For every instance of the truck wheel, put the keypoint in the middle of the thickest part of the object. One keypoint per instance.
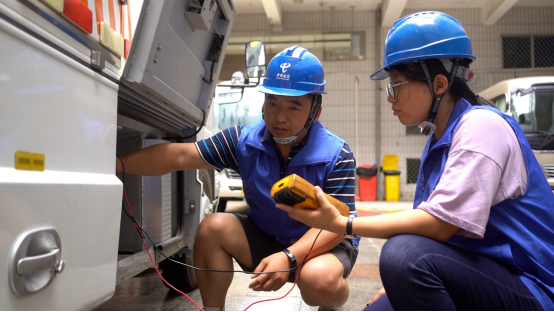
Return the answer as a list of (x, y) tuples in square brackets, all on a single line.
[(180, 276)]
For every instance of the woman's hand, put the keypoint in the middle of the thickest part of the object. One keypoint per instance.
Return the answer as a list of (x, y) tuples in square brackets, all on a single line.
[(326, 217), (378, 294)]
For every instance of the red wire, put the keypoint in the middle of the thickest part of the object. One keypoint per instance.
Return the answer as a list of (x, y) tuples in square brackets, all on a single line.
[(189, 298), (297, 274), (182, 293), (150, 256)]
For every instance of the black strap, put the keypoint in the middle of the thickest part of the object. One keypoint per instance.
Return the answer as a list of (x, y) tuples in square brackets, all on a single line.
[(316, 104), (437, 99), (349, 232), (292, 258)]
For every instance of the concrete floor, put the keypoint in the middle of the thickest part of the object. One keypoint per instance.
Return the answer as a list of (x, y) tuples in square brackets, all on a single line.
[(149, 293)]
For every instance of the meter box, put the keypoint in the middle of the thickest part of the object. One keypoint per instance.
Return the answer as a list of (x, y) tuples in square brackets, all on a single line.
[(176, 58)]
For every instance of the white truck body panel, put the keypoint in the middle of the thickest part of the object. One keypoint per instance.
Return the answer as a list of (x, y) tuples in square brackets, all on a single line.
[(51, 105), (56, 103)]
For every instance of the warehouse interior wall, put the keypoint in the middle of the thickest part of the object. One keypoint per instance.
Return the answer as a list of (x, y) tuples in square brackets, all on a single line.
[(350, 103)]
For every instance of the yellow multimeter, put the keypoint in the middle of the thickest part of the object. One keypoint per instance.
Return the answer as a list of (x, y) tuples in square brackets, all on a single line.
[(297, 192)]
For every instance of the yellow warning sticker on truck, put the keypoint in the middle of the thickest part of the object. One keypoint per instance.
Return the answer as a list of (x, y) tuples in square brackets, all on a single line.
[(29, 161)]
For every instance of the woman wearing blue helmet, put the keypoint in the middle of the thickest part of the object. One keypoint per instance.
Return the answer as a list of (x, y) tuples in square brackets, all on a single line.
[(481, 236)]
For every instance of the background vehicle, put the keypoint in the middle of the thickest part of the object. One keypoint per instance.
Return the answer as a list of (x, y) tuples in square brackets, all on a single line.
[(71, 102), (531, 102), (234, 106)]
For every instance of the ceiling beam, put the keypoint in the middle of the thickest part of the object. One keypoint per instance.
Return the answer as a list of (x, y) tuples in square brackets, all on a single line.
[(391, 11), (274, 14), (493, 10)]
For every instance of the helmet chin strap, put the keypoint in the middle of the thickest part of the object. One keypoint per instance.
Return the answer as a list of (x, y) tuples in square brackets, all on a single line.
[(428, 127), (316, 104)]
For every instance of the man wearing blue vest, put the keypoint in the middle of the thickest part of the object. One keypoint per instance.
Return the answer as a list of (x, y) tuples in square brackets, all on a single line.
[(288, 140)]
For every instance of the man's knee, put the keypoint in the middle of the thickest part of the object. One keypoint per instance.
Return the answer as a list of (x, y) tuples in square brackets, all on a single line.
[(319, 285), (212, 227), (316, 278)]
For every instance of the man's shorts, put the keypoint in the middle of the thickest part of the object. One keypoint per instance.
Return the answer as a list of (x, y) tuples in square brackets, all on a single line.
[(263, 245)]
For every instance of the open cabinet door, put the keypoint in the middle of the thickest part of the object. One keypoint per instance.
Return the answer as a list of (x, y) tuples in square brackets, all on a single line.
[(175, 61)]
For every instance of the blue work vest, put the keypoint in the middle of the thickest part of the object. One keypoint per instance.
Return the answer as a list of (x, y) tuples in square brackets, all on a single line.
[(520, 231), (259, 167)]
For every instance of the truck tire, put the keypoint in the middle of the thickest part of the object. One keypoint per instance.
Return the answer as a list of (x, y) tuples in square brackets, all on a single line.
[(180, 276)]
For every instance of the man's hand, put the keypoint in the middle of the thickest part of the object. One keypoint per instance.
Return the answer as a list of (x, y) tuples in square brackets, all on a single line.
[(274, 281), (326, 217)]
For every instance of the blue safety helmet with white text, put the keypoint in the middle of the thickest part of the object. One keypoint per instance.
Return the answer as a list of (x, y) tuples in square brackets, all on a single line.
[(295, 72), (428, 35)]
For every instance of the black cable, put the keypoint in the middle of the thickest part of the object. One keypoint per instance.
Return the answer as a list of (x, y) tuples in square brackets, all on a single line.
[(122, 178), (199, 128), (315, 240), (123, 167), (211, 73), (216, 51), (144, 234), (224, 271), (195, 133), (245, 272)]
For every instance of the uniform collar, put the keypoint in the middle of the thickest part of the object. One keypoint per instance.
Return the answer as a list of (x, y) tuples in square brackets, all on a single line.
[(315, 144), (461, 107)]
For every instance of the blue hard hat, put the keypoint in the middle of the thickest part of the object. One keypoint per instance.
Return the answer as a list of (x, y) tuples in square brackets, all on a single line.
[(294, 72), (421, 36)]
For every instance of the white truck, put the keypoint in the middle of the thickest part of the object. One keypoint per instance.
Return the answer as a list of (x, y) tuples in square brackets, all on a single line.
[(234, 106), (530, 101), (82, 81)]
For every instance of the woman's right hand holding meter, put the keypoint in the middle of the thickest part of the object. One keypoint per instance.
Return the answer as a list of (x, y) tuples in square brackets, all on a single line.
[(326, 217)]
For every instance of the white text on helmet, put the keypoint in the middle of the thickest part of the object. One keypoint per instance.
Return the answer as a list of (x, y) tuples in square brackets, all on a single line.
[(284, 67)]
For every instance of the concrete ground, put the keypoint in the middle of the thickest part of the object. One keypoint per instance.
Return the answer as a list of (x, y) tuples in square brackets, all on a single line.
[(149, 293)]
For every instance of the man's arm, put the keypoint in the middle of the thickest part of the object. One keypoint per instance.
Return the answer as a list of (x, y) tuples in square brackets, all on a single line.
[(216, 152), (161, 159), (303, 245)]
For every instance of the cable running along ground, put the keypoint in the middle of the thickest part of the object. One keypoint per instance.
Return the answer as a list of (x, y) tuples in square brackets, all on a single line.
[(143, 234)]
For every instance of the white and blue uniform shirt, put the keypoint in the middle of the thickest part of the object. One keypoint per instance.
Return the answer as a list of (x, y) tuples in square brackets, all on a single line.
[(321, 158)]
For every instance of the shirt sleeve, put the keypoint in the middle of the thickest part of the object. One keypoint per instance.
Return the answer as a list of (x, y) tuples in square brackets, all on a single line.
[(481, 171), (342, 181), (220, 150)]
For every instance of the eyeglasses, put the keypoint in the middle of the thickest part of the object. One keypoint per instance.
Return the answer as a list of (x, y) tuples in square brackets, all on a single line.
[(390, 88)]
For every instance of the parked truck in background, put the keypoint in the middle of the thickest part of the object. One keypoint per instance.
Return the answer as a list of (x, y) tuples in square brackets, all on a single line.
[(82, 81), (530, 101), (234, 106)]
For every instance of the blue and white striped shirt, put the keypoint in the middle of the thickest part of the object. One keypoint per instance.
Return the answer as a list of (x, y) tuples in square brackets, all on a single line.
[(220, 151)]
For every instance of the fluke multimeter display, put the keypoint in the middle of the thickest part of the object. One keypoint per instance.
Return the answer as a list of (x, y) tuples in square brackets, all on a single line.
[(297, 192)]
